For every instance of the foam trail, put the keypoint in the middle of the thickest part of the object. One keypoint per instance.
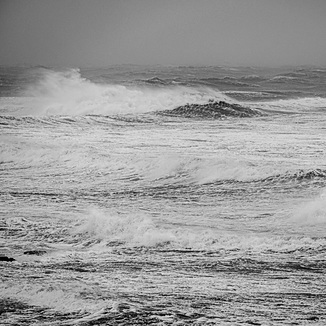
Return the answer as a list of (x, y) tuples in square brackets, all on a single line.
[(68, 93)]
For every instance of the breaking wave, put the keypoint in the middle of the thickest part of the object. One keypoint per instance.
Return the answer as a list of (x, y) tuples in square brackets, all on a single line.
[(116, 229), (68, 93)]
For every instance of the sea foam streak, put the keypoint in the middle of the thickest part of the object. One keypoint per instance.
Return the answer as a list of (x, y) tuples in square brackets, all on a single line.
[(68, 93)]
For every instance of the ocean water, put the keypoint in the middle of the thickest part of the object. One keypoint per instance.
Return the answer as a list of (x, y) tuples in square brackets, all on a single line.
[(131, 195)]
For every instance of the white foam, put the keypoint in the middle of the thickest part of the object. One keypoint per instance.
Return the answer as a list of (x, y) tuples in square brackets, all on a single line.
[(139, 230)]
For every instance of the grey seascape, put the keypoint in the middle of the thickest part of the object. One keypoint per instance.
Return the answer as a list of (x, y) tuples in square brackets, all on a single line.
[(162, 162), (132, 200)]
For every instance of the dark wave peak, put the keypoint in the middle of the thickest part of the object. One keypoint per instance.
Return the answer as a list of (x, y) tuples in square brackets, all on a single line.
[(212, 110), (156, 81)]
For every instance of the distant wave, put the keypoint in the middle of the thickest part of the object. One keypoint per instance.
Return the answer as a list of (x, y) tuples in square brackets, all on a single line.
[(252, 78), (283, 78), (226, 80), (157, 81), (296, 78)]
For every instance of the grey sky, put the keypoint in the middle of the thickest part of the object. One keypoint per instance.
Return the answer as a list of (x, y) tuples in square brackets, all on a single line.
[(177, 32)]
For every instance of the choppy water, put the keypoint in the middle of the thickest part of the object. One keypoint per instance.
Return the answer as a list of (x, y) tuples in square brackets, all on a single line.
[(119, 213)]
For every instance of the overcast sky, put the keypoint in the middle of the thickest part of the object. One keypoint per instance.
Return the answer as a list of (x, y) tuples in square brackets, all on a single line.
[(168, 32)]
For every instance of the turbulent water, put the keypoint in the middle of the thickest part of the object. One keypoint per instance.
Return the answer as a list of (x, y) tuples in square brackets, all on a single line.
[(163, 195)]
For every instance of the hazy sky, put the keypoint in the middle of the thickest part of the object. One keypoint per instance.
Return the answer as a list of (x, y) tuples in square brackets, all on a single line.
[(177, 32)]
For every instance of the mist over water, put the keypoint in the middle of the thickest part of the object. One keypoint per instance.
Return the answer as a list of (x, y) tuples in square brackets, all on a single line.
[(163, 195)]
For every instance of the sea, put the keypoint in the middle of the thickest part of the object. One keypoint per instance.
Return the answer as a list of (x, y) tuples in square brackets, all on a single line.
[(162, 195)]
